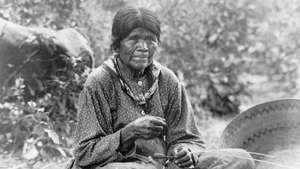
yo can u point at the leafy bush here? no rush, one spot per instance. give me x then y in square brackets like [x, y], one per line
[38, 110]
[40, 123]
[208, 40]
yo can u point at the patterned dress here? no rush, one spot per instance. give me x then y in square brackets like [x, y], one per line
[105, 108]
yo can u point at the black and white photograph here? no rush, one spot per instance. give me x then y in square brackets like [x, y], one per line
[149, 84]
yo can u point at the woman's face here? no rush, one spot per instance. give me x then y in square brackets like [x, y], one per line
[138, 48]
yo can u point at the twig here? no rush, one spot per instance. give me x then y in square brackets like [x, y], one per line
[261, 154]
[13, 74]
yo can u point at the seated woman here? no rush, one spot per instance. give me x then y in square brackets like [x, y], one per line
[134, 113]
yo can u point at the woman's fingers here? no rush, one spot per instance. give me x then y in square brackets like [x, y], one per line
[180, 154]
[150, 132]
[157, 128]
[158, 121]
[186, 163]
[183, 158]
[150, 126]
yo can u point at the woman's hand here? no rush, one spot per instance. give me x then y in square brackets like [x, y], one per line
[147, 127]
[184, 158]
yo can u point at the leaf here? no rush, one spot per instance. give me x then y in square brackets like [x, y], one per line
[53, 135]
[213, 38]
[29, 150]
[32, 153]
[38, 130]
[62, 152]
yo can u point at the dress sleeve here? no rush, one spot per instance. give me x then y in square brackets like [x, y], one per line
[96, 143]
[182, 128]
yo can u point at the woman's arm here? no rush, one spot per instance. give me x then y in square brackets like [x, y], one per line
[182, 128]
[97, 143]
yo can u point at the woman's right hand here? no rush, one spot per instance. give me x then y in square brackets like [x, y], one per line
[146, 127]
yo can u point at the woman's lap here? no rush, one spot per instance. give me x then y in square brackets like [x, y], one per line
[129, 165]
[225, 159]
[212, 159]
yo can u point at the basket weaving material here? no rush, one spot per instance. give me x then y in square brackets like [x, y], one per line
[266, 128]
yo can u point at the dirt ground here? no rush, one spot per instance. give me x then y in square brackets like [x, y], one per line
[10, 162]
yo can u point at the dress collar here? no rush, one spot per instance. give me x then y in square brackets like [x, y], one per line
[153, 70]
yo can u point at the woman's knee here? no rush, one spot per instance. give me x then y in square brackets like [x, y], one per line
[225, 159]
[241, 158]
[128, 165]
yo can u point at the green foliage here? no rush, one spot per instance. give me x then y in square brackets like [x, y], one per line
[208, 38]
[40, 124]
[49, 13]
[27, 127]
[38, 112]
[274, 43]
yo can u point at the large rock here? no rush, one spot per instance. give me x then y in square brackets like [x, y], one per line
[38, 52]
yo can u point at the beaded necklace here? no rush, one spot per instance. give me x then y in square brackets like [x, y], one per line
[141, 100]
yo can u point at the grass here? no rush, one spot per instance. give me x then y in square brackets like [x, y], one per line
[12, 162]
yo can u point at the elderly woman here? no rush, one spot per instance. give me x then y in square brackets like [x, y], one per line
[134, 113]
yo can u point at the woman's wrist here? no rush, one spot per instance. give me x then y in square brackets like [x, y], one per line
[127, 138]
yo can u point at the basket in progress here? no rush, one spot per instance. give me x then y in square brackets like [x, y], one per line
[270, 128]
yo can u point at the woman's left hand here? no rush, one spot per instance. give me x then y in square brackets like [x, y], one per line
[184, 158]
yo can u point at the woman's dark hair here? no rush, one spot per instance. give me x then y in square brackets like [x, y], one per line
[129, 18]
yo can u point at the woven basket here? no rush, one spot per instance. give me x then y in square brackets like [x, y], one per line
[265, 128]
